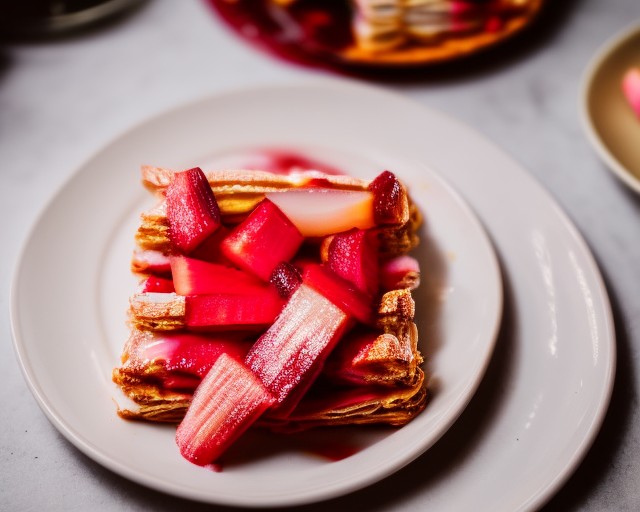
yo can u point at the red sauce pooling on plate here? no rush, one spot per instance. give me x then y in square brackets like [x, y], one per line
[281, 161]
[333, 453]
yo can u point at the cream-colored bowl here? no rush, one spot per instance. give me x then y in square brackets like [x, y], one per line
[610, 123]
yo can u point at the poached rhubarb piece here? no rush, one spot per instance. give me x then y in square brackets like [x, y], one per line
[209, 249]
[192, 211]
[390, 203]
[264, 239]
[289, 356]
[400, 272]
[631, 88]
[319, 212]
[180, 360]
[353, 256]
[196, 277]
[154, 284]
[227, 402]
[286, 278]
[227, 311]
[340, 292]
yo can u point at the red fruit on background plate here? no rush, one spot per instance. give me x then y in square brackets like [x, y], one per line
[192, 211]
[390, 203]
[264, 239]
[226, 403]
[231, 311]
[340, 292]
[318, 212]
[196, 277]
[631, 88]
[286, 278]
[290, 354]
[353, 256]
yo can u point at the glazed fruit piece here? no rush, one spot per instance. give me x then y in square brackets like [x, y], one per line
[209, 249]
[240, 311]
[156, 284]
[264, 239]
[178, 360]
[318, 212]
[286, 278]
[227, 402]
[353, 256]
[342, 293]
[390, 203]
[192, 211]
[289, 356]
[247, 309]
[400, 272]
[196, 277]
[631, 88]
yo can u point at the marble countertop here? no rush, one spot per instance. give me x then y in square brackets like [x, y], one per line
[62, 100]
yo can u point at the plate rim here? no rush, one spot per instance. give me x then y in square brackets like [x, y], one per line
[604, 52]
[608, 325]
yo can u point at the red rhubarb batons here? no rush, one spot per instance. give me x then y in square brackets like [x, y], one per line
[233, 311]
[353, 256]
[227, 402]
[263, 240]
[192, 211]
[289, 355]
[196, 277]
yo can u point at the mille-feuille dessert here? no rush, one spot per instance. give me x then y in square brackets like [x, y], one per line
[273, 300]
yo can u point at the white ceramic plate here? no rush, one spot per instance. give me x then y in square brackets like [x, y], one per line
[545, 393]
[611, 125]
[72, 287]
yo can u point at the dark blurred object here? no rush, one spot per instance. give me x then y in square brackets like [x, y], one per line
[376, 34]
[33, 19]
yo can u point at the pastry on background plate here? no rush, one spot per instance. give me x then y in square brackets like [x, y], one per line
[377, 32]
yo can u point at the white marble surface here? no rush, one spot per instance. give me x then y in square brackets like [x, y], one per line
[61, 101]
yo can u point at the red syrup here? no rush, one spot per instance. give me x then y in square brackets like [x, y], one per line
[215, 467]
[283, 161]
[333, 452]
[309, 32]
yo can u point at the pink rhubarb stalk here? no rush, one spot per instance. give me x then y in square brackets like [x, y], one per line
[229, 399]
[192, 211]
[263, 240]
[196, 277]
[289, 356]
[227, 311]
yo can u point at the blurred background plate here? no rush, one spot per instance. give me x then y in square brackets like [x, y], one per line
[611, 125]
[318, 32]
